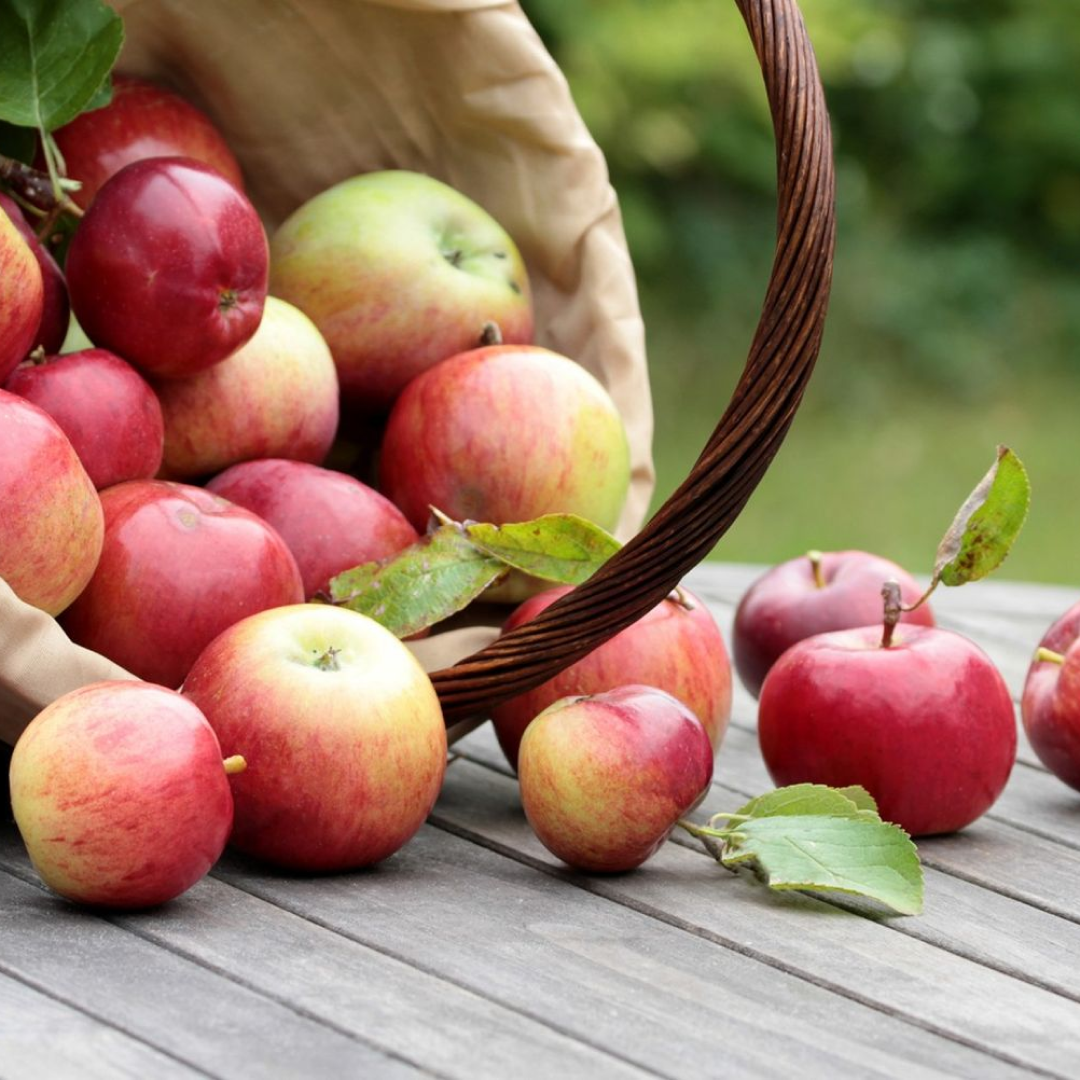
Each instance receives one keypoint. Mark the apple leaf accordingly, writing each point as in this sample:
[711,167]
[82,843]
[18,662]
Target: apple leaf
[986,525]
[57,58]
[557,547]
[806,799]
[424,584]
[825,853]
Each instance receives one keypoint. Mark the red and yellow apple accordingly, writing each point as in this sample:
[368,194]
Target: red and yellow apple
[21,297]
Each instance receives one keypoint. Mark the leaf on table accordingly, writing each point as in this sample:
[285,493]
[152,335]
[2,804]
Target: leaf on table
[986,525]
[57,55]
[424,584]
[563,548]
[857,856]
[809,799]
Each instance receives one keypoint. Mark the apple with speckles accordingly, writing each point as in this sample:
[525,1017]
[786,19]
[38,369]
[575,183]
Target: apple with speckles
[121,794]
[606,777]
[341,729]
[22,295]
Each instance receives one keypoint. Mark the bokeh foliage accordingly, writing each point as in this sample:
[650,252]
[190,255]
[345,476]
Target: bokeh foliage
[955,317]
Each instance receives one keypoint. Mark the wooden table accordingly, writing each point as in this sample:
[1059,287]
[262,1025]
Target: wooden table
[473,953]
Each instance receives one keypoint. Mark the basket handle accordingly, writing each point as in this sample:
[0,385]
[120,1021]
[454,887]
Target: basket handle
[781,358]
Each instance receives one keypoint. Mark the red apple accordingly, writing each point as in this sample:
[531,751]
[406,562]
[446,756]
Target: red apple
[604,779]
[1050,704]
[809,595]
[178,566]
[168,267]
[925,724]
[143,120]
[121,795]
[104,406]
[399,271]
[677,647]
[51,524]
[21,297]
[341,729]
[505,434]
[331,521]
[55,308]
[276,396]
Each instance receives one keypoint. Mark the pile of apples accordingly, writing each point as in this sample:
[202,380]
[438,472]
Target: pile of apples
[168,496]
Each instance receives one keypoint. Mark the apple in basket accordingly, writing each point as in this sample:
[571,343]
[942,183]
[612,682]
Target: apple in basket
[676,647]
[51,524]
[121,795]
[22,297]
[168,267]
[605,778]
[398,271]
[506,433]
[341,730]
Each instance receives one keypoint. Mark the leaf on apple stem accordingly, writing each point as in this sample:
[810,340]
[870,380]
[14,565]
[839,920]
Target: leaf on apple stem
[563,548]
[822,839]
[985,527]
[426,583]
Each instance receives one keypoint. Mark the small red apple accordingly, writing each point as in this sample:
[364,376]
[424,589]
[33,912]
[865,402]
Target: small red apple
[168,267]
[605,778]
[341,730]
[1050,704]
[810,595]
[121,795]
[51,524]
[104,406]
[55,308]
[178,566]
[143,120]
[21,297]
[503,434]
[331,521]
[677,647]
[925,723]
[275,397]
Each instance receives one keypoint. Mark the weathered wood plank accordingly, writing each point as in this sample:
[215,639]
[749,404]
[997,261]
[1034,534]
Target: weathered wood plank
[41,1037]
[194,1015]
[856,957]
[605,973]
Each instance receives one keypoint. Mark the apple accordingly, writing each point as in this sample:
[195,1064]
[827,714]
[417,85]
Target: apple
[178,566]
[121,794]
[605,778]
[341,729]
[55,308]
[1050,704]
[276,396]
[399,271]
[331,521]
[924,723]
[104,406]
[51,525]
[812,594]
[677,647]
[168,267]
[506,433]
[143,120]
[21,297]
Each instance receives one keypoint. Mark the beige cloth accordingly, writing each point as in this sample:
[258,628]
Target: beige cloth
[310,92]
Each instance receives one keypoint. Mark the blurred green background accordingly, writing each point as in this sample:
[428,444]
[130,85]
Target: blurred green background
[954,323]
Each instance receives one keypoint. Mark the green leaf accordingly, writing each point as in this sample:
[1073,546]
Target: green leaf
[557,547]
[858,856]
[426,583]
[986,525]
[57,55]
[804,800]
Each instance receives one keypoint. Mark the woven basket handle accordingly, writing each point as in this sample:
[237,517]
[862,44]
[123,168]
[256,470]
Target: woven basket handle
[687,527]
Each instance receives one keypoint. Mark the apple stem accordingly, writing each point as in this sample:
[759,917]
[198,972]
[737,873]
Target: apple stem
[1048,655]
[815,558]
[890,593]
[234,764]
[490,334]
[708,838]
[680,596]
